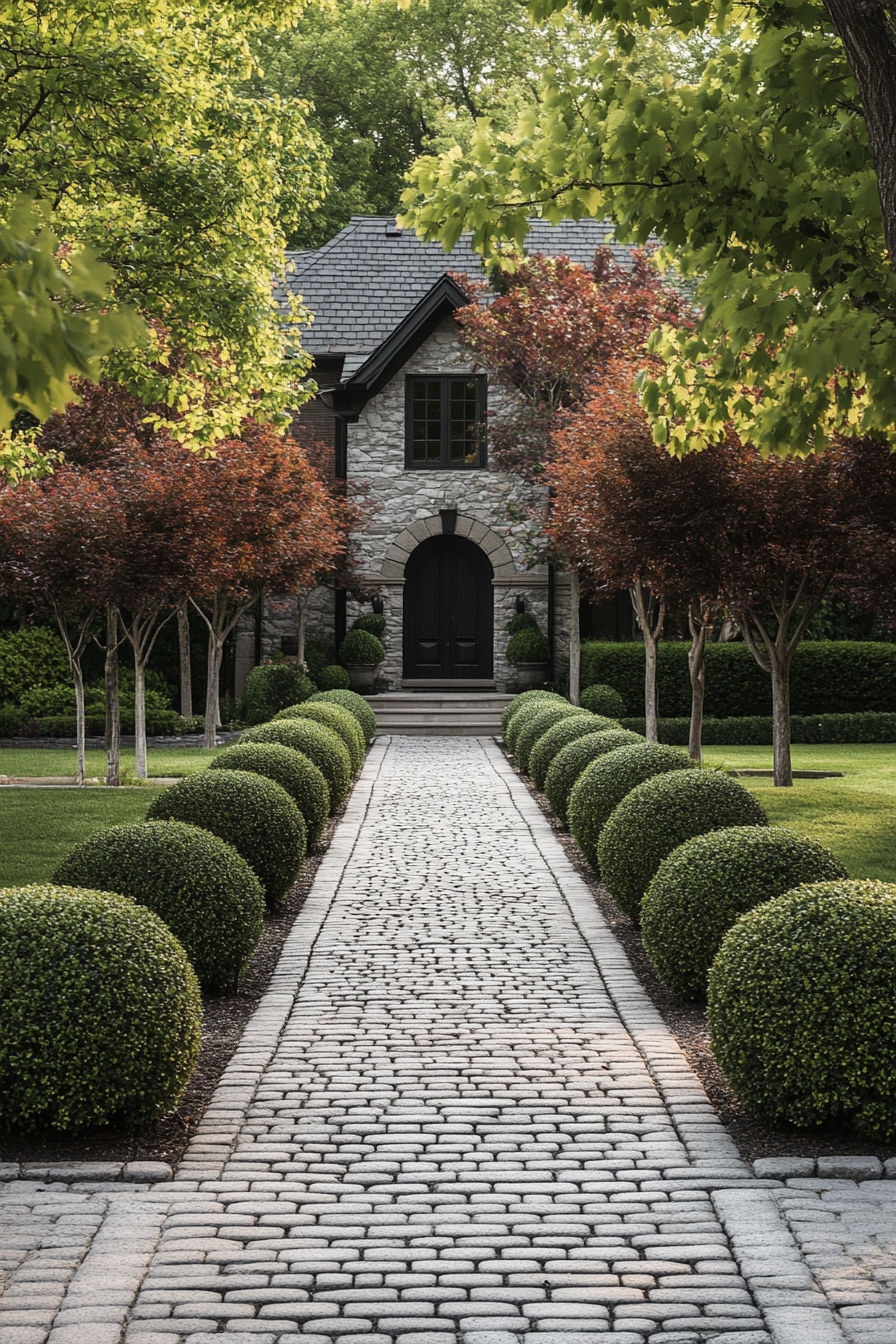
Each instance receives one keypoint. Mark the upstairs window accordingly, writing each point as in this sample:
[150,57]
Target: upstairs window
[445,422]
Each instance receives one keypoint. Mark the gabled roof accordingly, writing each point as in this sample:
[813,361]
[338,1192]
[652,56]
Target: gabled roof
[368,280]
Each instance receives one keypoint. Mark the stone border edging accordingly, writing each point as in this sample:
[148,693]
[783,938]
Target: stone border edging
[212,1144]
[137,1173]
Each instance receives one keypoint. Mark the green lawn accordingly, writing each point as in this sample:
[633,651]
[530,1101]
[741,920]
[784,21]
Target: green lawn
[39,826]
[20,762]
[854,816]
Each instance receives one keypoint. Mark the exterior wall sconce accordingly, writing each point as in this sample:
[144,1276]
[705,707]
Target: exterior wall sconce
[449,521]
[520,605]
[377,605]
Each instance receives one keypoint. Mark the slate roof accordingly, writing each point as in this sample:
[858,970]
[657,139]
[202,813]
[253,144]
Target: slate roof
[364,282]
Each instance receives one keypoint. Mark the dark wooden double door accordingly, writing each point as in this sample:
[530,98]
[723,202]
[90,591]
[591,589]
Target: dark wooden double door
[448,611]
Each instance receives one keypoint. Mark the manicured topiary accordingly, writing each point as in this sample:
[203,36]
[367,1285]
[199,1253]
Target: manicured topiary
[527,646]
[342,721]
[601,699]
[707,883]
[657,817]
[319,743]
[801,1016]
[362,648]
[355,704]
[273,686]
[523,620]
[250,812]
[602,786]
[526,713]
[555,739]
[374,623]
[526,698]
[536,727]
[293,771]
[101,1018]
[333,678]
[200,886]
[572,760]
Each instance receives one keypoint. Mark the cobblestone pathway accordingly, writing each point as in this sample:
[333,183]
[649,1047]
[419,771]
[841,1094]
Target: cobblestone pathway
[468,1124]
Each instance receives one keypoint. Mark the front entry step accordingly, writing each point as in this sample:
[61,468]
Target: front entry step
[438,713]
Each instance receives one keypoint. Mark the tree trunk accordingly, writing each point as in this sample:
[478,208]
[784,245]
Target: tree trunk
[300,631]
[867,31]
[213,690]
[651,616]
[575,641]
[781,720]
[697,670]
[186,674]
[113,706]
[141,769]
[80,718]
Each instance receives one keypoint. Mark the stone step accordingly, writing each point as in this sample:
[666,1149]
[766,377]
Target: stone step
[440,713]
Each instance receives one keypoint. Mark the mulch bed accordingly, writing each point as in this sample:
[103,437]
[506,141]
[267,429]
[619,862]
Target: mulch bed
[687,1022]
[223,1020]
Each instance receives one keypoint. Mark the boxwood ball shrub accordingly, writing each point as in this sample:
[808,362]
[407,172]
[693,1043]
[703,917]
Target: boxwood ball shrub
[355,704]
[659,815]
[572,760]
[601,699]
[602,786]
[527,646]
[333,678]
[250,812]
[535,727]
[707,883]
[294,772]
[316,741]
[526,698]
[101,1017]
[555,739]
[272,686]
[801,999]
[524,715]
[522,620]
[361,647]
[200,886]
[343,723]
[374,622]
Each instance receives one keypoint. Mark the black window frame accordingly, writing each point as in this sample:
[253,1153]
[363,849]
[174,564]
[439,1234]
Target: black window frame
[445,380]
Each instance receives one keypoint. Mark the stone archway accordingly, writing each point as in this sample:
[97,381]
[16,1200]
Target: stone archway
[407,541]
[448,612]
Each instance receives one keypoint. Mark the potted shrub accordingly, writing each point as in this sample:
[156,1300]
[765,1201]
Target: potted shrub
[528,651]
[362,653]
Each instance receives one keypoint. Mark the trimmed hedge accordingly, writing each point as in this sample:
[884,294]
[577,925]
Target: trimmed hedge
[333,678]
[200,886]
[527,646]
[602,786]
[319,743]
[273,686]
[101,1019]
[535,727]
[801,1015]
[355,704]
[757,731]
[707,883]
[657,817]
[342,721]
[572,760]
[524,716]
[520,701]
[827,677]
[601,699]
[294,772]
[555,739]
[250,812]
[362,648]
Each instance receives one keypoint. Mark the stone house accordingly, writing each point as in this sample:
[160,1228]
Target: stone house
[404,413]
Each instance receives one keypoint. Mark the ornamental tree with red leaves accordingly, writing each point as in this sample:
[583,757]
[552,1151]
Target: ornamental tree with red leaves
[60,541]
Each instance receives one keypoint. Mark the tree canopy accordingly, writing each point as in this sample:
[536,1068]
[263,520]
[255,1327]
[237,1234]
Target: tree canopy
[134,121]
[756,172]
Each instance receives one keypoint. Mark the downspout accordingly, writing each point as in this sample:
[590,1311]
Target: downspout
[551,622]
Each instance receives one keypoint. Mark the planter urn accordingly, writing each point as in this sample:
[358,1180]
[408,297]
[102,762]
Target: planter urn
[363,676]
[530,675]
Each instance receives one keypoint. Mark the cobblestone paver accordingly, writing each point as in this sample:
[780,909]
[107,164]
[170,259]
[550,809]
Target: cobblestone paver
[457,1119]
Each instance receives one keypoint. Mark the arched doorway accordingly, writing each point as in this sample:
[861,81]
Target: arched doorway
[448,611]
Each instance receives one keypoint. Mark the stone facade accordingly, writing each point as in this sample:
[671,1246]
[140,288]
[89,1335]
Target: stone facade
[404,510]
